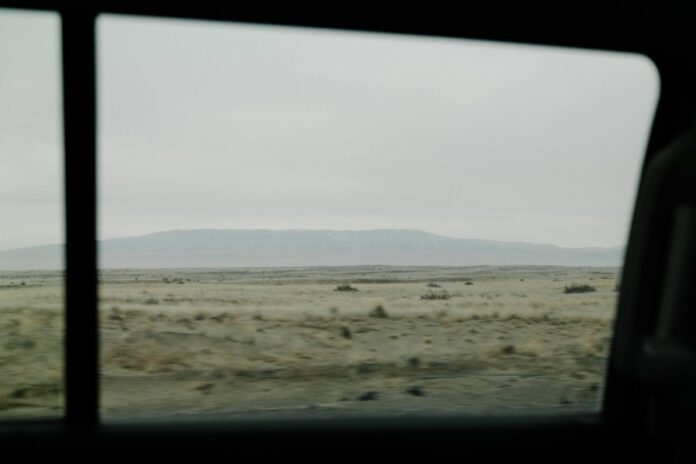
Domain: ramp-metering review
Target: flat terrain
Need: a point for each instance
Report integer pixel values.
(189, 343)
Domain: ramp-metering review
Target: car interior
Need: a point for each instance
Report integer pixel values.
(648, 409)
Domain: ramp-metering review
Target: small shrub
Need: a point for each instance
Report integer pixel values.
(345, 288)
(416, 390)
(368, 396)
(346, 333)
(577, 288)
(431, 295)
(379, 312)
(433, 285)
(151, 301)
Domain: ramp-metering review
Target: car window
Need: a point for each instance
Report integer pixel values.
(300, 221)
(31, 277)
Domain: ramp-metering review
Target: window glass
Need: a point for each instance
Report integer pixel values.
(303, 221)
(31, 208)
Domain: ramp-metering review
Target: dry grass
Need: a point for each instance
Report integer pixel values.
(251, 338)
(579, 288)
(146, 356)
(345, 288)
(431, 295)
(379, 312)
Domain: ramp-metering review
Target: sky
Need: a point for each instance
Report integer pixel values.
(213, 125)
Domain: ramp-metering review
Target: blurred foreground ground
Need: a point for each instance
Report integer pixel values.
(247, 342)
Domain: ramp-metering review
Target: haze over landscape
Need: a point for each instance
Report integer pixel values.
(289, 248)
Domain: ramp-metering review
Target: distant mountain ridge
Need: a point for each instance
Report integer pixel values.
(289, 248)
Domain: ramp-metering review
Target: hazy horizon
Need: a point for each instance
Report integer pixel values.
(241, 248)
(315, 230)
(205, 125)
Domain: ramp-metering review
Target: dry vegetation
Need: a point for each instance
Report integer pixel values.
(280, 341)
(579, 288)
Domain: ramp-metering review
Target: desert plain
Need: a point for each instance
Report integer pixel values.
(199, 344)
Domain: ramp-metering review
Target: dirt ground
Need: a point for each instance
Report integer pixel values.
(203, 343)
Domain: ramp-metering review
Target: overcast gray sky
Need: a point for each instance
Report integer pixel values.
(206, 125)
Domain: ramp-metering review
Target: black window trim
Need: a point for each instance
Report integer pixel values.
(612, 29)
